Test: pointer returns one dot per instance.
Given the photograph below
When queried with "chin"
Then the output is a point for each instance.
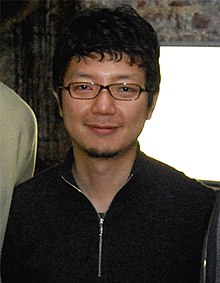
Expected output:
(110, 153)
(107, 152)
(104, 154)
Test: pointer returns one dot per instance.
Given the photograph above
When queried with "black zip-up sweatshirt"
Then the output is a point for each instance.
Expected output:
(153, 231)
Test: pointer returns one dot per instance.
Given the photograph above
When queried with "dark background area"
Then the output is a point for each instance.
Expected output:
(28, 35)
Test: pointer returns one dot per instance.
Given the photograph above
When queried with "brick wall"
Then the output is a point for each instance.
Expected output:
(178, 21)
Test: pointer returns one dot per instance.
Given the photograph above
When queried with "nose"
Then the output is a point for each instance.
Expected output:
(104, 103)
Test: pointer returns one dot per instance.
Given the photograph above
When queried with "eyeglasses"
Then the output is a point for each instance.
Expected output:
(119, 91)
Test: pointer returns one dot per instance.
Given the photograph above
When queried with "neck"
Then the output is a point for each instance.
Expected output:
(100, 179)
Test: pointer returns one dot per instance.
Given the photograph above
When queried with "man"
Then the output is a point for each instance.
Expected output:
(108, 213)
(18, 144)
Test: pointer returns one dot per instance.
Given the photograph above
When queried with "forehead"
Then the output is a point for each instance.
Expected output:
(106, 65)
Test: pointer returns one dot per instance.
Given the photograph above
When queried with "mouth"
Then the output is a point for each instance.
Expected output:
(103, 130)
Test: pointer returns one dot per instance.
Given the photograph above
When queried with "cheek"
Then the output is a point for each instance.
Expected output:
(69, 112)
(69, 106)
(140, 120)
(136, 115)
(74, 113)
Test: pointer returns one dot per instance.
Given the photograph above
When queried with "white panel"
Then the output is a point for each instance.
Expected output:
(184, 130)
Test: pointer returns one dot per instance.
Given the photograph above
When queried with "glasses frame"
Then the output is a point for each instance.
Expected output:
(101, 87)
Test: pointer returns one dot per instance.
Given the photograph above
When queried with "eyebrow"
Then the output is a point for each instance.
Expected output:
(80, 74)
(124, 76)
(114, 77)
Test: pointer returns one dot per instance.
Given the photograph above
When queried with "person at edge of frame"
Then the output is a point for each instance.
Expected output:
(18, 148)
(108, 212)
(210, 272)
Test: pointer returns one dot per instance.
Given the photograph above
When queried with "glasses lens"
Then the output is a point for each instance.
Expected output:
(83, 90)
(120, 91)
(125, 91)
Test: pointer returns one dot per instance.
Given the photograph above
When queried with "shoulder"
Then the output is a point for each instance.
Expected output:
(38, 185)
(47, 184)
(36, 194)
(167, 180)
(13, 106)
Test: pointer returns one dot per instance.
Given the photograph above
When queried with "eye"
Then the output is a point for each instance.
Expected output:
(82, 87)
(127, 89)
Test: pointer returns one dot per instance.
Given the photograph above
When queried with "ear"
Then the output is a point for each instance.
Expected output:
(58, 102)
(150, 109)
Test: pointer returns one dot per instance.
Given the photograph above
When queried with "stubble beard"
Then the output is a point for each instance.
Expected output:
(94, 152)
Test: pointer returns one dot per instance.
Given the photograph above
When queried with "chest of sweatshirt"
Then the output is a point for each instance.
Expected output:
(146, 221)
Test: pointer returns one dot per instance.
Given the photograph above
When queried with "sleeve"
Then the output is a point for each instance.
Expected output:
(18, 145)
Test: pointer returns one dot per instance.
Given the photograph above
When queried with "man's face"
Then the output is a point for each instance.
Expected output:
(103, 126)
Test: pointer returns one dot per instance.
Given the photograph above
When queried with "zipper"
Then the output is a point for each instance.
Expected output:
(75, 187)
(101, 222)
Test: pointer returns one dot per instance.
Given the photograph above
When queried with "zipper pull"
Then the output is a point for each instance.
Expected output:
(101, 221)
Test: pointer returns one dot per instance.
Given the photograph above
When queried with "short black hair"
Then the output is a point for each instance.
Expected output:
(115, 31)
